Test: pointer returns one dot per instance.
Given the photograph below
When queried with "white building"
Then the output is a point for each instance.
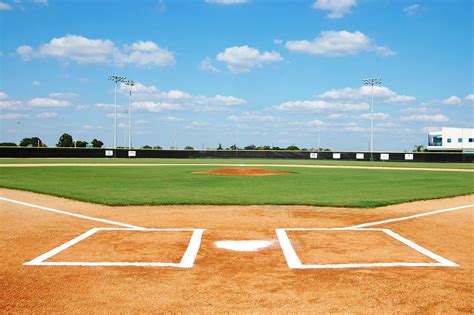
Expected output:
(451, 139)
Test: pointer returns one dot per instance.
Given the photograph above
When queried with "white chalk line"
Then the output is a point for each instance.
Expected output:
(294, 262)
(71, 214)
(187, 261)
(408, 217)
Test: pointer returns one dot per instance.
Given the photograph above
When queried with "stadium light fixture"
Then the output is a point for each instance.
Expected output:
(117, 79)
(130, 84)
(372, 82)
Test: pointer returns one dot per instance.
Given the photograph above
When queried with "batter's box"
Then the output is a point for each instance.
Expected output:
(126, 247)
(329, 248)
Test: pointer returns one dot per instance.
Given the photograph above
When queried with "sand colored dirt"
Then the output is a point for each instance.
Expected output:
(243, 172)
(229, 281)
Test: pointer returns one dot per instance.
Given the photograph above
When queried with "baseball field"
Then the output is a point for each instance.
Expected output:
(159, 235)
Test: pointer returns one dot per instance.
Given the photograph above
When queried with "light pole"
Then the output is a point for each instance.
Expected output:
(372, 82)
(130, 83)
(116, 79)
(18, 133)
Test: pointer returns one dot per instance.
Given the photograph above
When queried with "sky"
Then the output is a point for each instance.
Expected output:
(259, 72)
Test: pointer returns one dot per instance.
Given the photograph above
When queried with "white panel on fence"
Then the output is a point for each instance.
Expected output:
(336, 156)
(109, 153)
(384, 156)
(359, 156)
(408, 156)
(132, 153)
(313, 155)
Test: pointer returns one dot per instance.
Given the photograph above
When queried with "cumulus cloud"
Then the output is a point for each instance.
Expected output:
(47, 115)
(337, 43)
(377, 116)
(412, 9)
(337, 8)
(469, 98)
(197, 124)
(64, 95)
(244, 58)
(227, 2)
(321, 105)
(150, 98)
(5, 6)
(41, 2)
(365, 92)
(452, 100)
(48, 102)
(338, 116)
(425, 118)
(207, 66)
(250, 117)
(316, 123)
(82, 50)
(6, 102)
(14, 116)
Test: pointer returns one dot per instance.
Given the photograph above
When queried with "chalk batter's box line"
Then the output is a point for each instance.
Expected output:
(294, 261)
(187, 261)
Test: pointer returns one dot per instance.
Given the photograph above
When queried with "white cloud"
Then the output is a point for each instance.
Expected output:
(377, 116)
(469, 98)
(47, 115)
(48, 102)
(278, 41)
(337, 43)
(174, 119)
(227, 2)
(248, 117)
(197, 124)
(425, 118)
(412, 9)
(338, 116)
(421, 110)
(42, 2)
(82, 50)
(207, 66)
(7, 103)
(337, 8)
(14, 116)
(452, 100)
(430, 129)
(5, 6)
(316, 123)
(36, 83)
(152, 99)
(365, 92)
(320, 105)
(64, 96)
(244, 58)
(25, 52)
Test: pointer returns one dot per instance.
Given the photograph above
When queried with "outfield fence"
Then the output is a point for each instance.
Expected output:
(16, 152)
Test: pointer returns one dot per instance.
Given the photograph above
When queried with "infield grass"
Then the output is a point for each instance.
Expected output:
(155, 185)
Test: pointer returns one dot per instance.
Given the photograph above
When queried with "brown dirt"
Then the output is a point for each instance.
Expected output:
(227, 281)
(243, 172)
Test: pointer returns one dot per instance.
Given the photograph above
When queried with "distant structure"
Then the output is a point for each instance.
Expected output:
(451, 139)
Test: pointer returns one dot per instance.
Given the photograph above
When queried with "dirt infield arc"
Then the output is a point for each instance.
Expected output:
(221, 279)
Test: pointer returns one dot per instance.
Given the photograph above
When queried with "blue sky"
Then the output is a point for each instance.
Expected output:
(226, 71)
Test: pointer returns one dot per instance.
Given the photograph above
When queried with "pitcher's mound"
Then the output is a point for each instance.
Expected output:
(243, 172)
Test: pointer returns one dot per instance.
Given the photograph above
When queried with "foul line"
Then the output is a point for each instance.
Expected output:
(408, 218)
(72, 214)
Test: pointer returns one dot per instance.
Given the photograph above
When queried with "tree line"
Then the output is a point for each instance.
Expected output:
(65, 141)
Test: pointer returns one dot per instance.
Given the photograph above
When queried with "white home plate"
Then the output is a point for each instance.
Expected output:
(243, 246)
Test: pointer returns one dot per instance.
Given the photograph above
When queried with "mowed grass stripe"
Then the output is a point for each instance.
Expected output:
(5, 161)
(177, 185)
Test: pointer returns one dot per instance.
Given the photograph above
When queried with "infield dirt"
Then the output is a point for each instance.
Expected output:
(223, 280)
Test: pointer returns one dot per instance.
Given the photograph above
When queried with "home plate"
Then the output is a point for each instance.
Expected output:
(244, 246)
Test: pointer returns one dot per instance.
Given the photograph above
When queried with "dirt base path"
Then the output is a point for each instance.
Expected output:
(224, 280)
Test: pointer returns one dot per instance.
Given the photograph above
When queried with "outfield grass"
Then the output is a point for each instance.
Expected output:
(153, 185)
(233, 161)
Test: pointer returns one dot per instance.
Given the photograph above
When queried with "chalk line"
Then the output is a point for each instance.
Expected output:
(408, 217)
(71, 214)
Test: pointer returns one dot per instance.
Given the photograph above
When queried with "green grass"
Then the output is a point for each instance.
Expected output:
(153, 185)
(236, 161)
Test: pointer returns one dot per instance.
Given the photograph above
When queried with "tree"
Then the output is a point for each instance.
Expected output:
(293, 148)
(146, 147)
(188, 147)
(97, 143)
(7, 144)
(250, 147)
(220, 147)
(157, 147)
(65, 141)
(81, 144)
(233, 147)
(32, 142)
(419, 148)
